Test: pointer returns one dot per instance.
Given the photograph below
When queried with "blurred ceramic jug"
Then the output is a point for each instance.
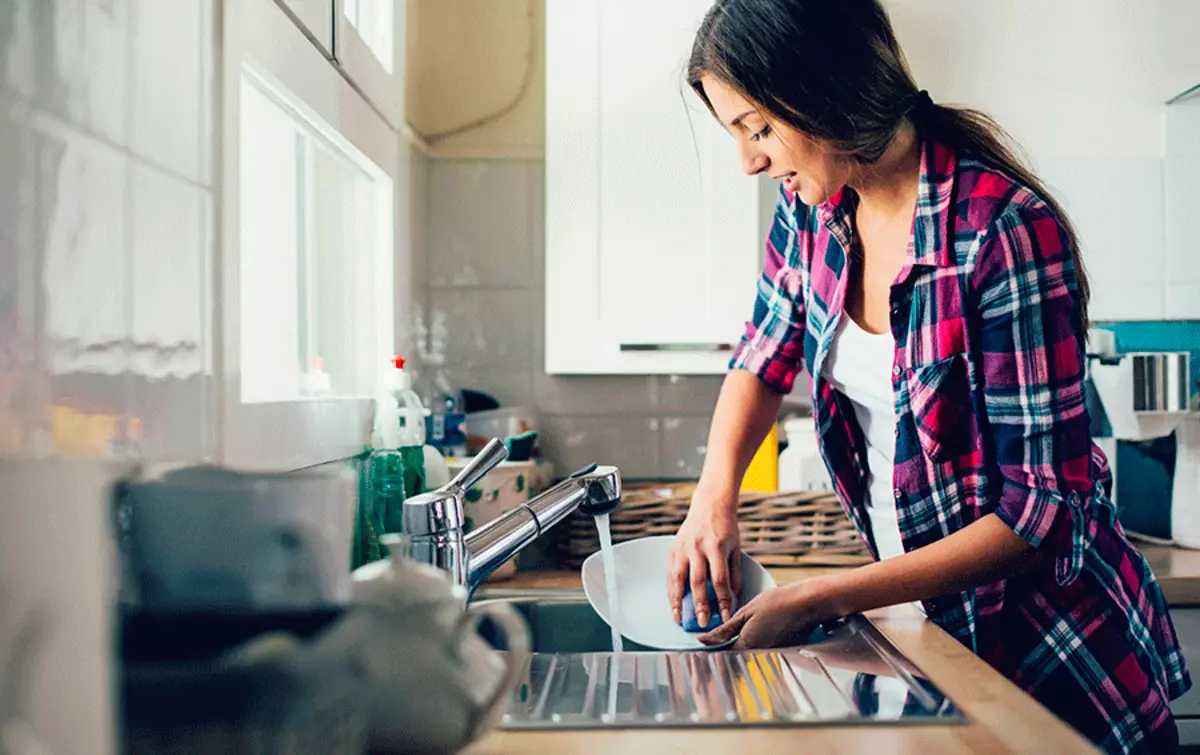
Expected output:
(435, 683)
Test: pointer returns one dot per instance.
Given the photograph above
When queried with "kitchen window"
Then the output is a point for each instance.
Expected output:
(316, 246)
(309, 228)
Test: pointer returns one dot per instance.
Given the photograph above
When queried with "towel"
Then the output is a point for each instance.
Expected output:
(688, 613)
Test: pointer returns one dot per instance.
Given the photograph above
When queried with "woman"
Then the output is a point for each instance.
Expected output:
(932, 287)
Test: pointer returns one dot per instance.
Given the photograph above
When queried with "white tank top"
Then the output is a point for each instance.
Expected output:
(860, 366)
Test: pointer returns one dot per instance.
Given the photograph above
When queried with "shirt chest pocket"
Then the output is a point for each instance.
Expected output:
(939, 395)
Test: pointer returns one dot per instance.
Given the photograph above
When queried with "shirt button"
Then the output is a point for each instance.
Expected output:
(896, 370)
(896, 432)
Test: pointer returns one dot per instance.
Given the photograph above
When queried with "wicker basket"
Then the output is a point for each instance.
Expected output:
(778, 529)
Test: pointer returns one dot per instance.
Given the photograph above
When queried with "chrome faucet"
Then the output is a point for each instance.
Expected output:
(434, 521)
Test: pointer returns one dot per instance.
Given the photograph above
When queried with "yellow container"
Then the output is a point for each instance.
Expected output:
(762, 476)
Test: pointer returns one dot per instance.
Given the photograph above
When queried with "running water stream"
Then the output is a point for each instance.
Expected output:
(614, 612)
(610, 580)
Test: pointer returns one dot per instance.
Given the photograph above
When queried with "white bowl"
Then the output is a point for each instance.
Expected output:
(644, 612)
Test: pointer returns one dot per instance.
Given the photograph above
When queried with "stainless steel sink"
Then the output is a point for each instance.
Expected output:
(849, 674)
(559, 622)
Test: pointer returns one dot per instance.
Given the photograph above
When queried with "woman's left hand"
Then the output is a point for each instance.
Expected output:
(777, 618)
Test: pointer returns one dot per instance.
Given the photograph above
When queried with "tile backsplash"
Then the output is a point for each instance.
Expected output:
(106, 228)
(486, 250)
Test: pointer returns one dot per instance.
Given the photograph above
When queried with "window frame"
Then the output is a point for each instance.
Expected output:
(358, 62)
(290, 434)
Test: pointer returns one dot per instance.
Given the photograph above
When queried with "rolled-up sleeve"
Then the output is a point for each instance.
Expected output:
(772, 346)
(1033, 370)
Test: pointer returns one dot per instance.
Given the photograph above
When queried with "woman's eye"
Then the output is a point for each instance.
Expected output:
(761, 134)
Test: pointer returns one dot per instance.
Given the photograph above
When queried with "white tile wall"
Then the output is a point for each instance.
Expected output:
(490, 339)
(168, 263)
(167, 96)
(1124, 250)
(485, 257)
(19, 69)
(104, 99)
(82, 256)
(106, 268)
(631, 443)
(484, 222)
(1182, 199)
(602, 395)
(682, 445)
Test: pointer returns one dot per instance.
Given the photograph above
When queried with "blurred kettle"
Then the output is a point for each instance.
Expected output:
(434, 683)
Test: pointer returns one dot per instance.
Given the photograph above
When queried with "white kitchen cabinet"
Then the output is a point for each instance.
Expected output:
(316, 19)
(369, 48)
(653, 243)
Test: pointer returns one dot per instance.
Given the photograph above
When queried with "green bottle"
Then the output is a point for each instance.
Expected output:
(383, 489)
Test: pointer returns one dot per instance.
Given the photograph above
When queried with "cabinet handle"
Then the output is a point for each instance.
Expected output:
(677, 347)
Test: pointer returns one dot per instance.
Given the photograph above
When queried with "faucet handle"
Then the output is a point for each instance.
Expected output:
(485, 461)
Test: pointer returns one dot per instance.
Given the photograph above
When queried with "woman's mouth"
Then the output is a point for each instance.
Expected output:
(791, 182)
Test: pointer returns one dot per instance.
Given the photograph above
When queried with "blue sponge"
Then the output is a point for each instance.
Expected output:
(688, 613)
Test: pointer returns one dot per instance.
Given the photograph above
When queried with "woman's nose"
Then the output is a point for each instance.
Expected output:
(753, 161)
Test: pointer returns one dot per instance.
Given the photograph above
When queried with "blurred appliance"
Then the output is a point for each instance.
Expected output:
(1138, 403)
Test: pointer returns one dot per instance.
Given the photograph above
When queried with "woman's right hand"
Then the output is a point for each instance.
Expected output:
(705, 547)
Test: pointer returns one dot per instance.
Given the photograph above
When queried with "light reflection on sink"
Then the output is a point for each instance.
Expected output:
(852, 675)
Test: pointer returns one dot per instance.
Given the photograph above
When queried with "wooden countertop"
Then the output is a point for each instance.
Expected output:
(1002, 718)
(1178, 572)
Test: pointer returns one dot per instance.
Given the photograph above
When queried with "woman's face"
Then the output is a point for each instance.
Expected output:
(769, 146)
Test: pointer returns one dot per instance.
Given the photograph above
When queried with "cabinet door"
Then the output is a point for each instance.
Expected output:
(652, 228)
(316, 17)
(678, 217)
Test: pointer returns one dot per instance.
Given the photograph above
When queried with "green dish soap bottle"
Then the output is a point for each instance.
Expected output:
(381, 497)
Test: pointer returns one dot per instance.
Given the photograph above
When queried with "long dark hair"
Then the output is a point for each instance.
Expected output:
(834, 71)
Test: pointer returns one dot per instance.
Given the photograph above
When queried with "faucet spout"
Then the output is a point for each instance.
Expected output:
(434, 521)
(596, 490)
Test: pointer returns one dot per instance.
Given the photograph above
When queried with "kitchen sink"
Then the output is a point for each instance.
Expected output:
(559, 622)
(849, 674)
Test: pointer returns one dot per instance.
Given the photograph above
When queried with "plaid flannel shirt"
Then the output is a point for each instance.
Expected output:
(988, 380)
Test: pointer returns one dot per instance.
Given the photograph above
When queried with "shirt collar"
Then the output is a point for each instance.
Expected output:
(932, 243)
(931, 219)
